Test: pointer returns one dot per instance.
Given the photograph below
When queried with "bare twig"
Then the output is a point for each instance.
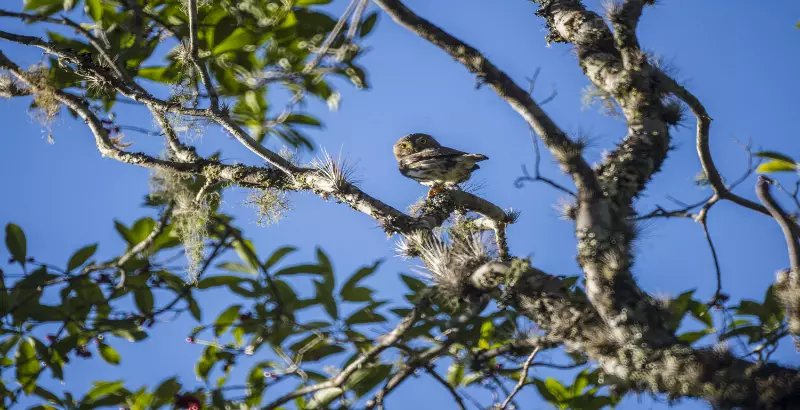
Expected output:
(447, 386)
(522, 378)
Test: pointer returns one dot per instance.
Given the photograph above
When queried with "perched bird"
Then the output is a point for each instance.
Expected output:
(421, 158)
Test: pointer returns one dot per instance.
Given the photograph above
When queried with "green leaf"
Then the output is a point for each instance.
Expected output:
(358, 294)
(365, 315)
(220, 280)
(777, 166)
(108, 353)
(556, 389)
(237, 267)
(44, 7)
(16, 243)
(194, 308)
(487, 332)
(102, 389)
(358, 276)
(455, 374)
(95, 9)
(325, 296)
(247, 253)
(47, 395)
(303, 120)
(278, 255)
(700, 312)
(226, 319)
(545, 392)
(305, 3)
(752, 332)
(413, 284)
(364, 380)
(165, 392)
(302, 269)
(81, 256)
(774, 155)
(27, 364)
(236, 41)
(691, 337)
(144, 300)
(368, 24)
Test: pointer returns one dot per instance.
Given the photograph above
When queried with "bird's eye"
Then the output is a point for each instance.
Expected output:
(423, 140)
(405, 145)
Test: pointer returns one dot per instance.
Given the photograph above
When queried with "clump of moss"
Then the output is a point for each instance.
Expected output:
(271, 205)
(191, 215)
(45, 107)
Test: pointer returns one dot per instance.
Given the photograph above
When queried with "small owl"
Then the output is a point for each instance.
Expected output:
(421, 158)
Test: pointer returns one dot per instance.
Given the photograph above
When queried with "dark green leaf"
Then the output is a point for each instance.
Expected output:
(144, 300)
(325, 296)
(16, 243)
(165, 392)
(691, 337)
(358, 276)
(413, 284)
(236, 267)
(194, 308)
(365, 315)
(247, 253)
(236, 41)
(226, 319)
(102, 389)
(368, 24)
(81, 256)
(358, 294)
(774, 155)
(44, 7)
(278, 255)
(216, 281)
(108, 353)
(303, 120)
(47, 395)
(700, 312)
(364, 380)
(302, 269)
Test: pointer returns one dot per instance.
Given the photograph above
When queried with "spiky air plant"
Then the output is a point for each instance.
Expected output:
(337, 172)
(449, 263)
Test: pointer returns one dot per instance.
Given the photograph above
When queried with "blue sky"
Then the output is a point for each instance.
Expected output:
(740, 59)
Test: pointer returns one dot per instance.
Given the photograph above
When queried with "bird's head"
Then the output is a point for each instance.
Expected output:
(413, 143)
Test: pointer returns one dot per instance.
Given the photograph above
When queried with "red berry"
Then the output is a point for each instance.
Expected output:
(498, 366)
(50, 338)
(190, 339)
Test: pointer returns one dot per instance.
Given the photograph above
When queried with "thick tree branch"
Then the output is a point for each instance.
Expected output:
(673, 368)
(788, 283)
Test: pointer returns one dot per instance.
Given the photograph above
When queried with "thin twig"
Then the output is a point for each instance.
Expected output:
(522, 377)
(447, 386)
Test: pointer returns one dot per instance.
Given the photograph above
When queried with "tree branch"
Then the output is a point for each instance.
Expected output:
(567, 152)
(788, 283)
(522, 378)
(384, 343)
